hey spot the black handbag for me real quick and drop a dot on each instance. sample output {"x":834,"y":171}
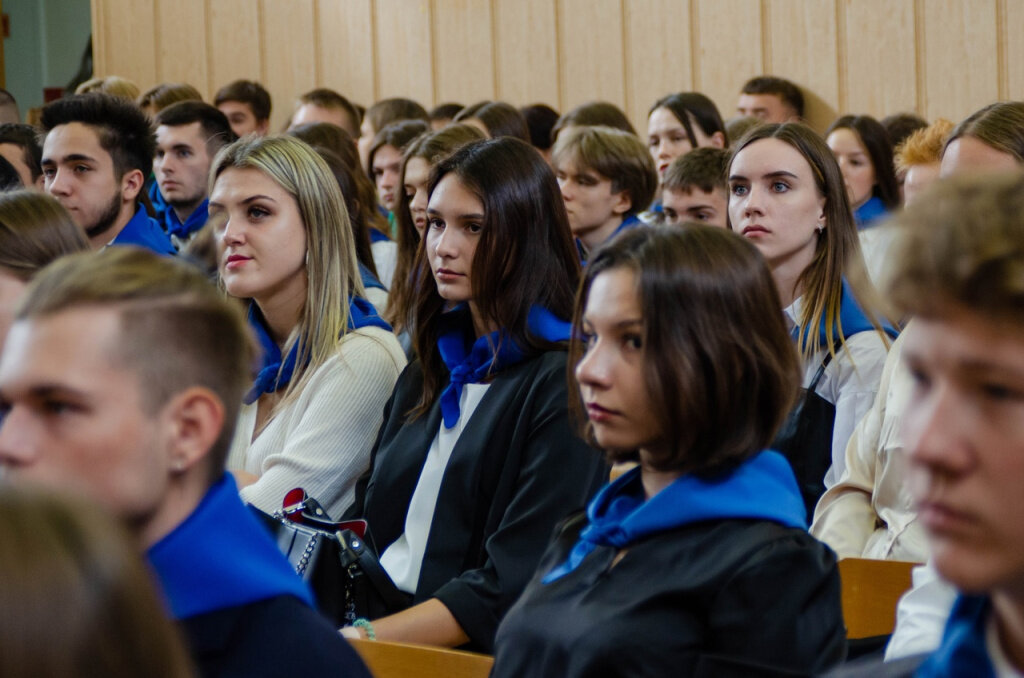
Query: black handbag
{"x":347,"y":580}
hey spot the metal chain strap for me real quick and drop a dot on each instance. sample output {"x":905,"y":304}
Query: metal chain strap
{"x":307,"y":554}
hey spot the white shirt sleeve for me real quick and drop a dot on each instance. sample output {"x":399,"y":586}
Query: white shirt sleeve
{"x":921,"y":614}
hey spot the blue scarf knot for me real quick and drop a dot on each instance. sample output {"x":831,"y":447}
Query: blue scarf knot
{"x":193,"y":223}
{"x":963,"y":651}
{"x":471,"y":361}
{"x":762,"y":488}
{"x":276,"y":373}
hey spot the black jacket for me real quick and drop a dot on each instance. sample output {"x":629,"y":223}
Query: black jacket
{"x":517,"y":470}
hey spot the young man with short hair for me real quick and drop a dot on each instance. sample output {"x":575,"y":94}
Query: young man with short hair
{"x":139,"y":418}
{"x":771,"y":99}
{"x":607,"y":177}
{"x":247,"y":106}
{"x":694,"y":188}
{"x":326,"y":105}
{"x":188,"y":136}
{"x":97,"y":154}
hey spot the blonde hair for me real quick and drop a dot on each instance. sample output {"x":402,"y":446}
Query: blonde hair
{"x":112,"y":84}
{"x":331,"y":265}
{"x":924,"y":146}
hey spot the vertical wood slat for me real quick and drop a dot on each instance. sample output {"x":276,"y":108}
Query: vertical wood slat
{"x":290,"y":63}
{"x":1013,"y":18}
{"x":463,"y":51}
{"x":180,"y":57}
{"x":345,"y":55}
{"x":880,"y":56}
{"x":806,"y":53}
{"x":730,"y":50}
{"x":404,"y":48}
{"x":592,"y":59}
{"x":127,"y":42}
{"x":236,"y":45}
{"x":526,"y":52}
{"x":658,"y":58}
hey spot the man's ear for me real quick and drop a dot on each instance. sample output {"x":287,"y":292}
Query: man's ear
{"x":262,"y":127}
{"x":131,"y":184}
{"x":718,"y":140}
{"x":195,"y":418}
{"x":623,"y":203}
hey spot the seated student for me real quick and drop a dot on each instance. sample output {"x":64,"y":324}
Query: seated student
{"x":697,"y":563}
{"x":188,"y":136}
{"x":694,"y":188}
{"x":139,"y":419}
{"x":59,"y":554}
{"x":326,"y":105}
{"x":97,"y":154}
{"x":787,"y":197}
{"x":771,"y":99}
{"x":247,"y":106}
{"x":418,"y":159}
{"x":19,"y":144}
{"x":958,"y":274}
{"x":679,"y":123}
{"x":443,"y":114}
{"x":919,"y":156}
{"x":329,"y":361}
{"x":476,"y":461}
{"x":606,"y":177}
{"x":379,"y":116}
{"x":34,"y":230}
{"x":864,"y":153}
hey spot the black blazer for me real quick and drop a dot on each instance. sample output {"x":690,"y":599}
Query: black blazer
{"x":517,"y":470}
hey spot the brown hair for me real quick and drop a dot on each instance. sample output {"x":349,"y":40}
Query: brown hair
{"x":398,"y":135}
{"x":177,"y":330}
{"x":246,"y":92}
{"x":431,"y":147}
{"x":165,"y":94}
{"x":702,"y":168}
{"x":35,"y":230}
{"x":719,"y":390}
{"x":387,"y":111}
{"x":963,"y":245}
{"x":592,"y":114}
{"x":76,"y":597}
{"x":999,"y":125}
{"x":331,"y":100}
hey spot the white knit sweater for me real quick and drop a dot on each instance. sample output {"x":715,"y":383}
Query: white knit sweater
{"x":321,"y":441}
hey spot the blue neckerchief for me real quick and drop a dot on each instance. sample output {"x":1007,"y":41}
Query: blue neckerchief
{"x":144,"y":231}
{"x":962,"y":651}
{"x":376,"y":236}
{"x":369,"y":279}
{"x":629,"y":222}
{"x":852,"y":319}
{"x":470,"y":361}
{"x":274,"y":375}
{"x":762,"y":488}
{"x":156,"y":198}
{"x":870,"y":212}
{"x":221,"y":557}
{"x":195,"y":221}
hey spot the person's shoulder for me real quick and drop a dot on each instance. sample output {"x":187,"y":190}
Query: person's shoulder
{"x":272,"y":637}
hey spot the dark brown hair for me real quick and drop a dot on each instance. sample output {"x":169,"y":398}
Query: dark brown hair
{"x":347,"y":182}
{"x":387,"y":111}
{"x":398,"y":135}
{"x":246,"y":92}
{"x":592,"y":114}
{"x":693,"y":107}
{"x":720,"y":391}
{"x":876,"y":142}
{"x":524,"y":257}
{"x":502,"y":120}
{"x":780,"y":87}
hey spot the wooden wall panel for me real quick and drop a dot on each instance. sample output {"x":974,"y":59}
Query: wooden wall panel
{"x":346,"y":55}
{"x":235,"y":48}
{"x":290,"y":37}
{"x":796,"y":47}
{"x":526,"y":52}
{"x":728,"y":34}
{"x":591,"y":53}
{"x":878,"y":56}
{"x":1011,"y":15}
{"x":658,"y":59}
{"x":179,"y":58}
{"x":123,"y":43}
{"x":404,"y":49}
{"x":463,"y":51}
{"x":960,"y":56}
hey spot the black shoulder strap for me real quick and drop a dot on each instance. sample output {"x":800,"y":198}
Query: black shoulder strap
{"x":820,"y":373}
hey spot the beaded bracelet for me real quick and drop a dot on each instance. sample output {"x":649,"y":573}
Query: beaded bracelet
{"x":364,"y":623}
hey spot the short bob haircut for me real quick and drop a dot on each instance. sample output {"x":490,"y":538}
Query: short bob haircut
{"x":876,"y":142}
{"x":331,"y":265}
{"x":62,"y":554}
{"x":614,"y":154}
{"x":524,"y":257}
{"x":963,"y":246}
{"x":592,"y":114}
{"x":691,"y":108}
{"x":838,"y":252}
{"x":999,"y":125}
{"x":433,"y":147}
{"x":720,"y":391}
{"x":34,"y":230}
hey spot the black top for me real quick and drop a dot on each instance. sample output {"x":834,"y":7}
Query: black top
{"x":718,"y":598}
{"x":516,"y":471}
{"x":280,"y":636}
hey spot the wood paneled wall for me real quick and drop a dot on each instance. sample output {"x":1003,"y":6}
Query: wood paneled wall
{"x":935,"y":57}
